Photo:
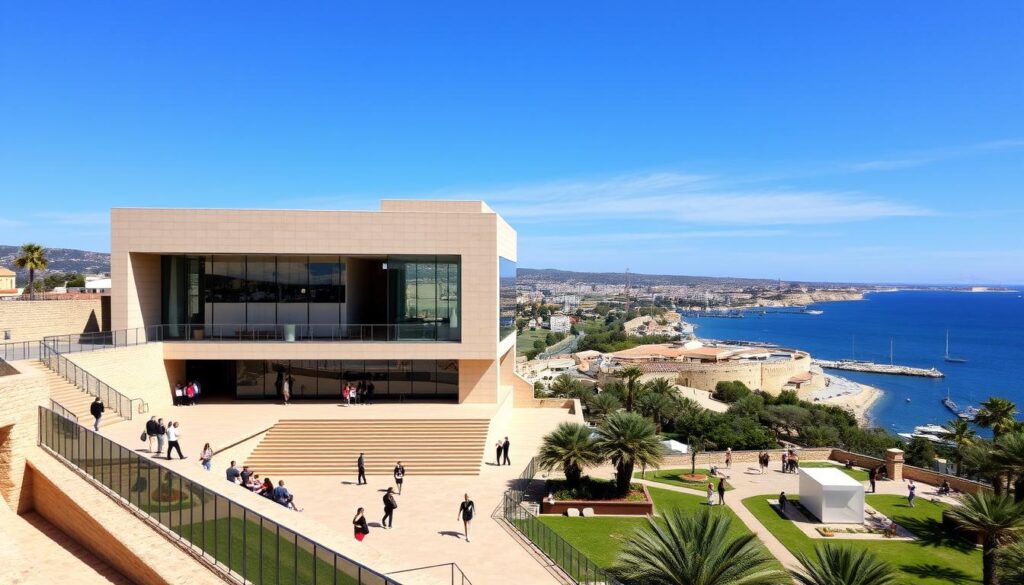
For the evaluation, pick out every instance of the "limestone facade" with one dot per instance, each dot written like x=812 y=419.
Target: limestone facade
x=33 y=320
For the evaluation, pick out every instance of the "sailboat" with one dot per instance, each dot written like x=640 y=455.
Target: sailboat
x=949 y=358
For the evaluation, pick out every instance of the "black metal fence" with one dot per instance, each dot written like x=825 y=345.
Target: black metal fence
x=249 y=545
x=574 y=563
x=90 y=384
x=19 y=350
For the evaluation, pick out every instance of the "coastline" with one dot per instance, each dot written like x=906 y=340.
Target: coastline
x=857 y=398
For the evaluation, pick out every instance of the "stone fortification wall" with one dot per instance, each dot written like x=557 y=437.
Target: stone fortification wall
x=22 y=394
x=770 y=377
x=33 y=320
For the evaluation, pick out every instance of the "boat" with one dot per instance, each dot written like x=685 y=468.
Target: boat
x=948 y=403
x=812 y=312
x=932 y=429
x=969 y=413
x=949 y=358
x=932 y=438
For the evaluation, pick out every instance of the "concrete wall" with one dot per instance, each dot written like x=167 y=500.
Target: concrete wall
x=33 y=320
x=19 y=429
x=108 y=530
x=915 y=473
x=137 y=372
x=478 y=381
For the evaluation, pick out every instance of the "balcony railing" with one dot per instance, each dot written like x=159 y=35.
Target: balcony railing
x=19 y=350
x=252 y=332
x=90 y=384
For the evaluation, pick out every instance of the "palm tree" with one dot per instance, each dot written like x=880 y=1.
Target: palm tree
x=997 y=518
x=697 y=549
x=1011 y=563
x=998 y=414
x=658 y=406
x=979 y=457
x=843 y=565
x=1008 y=455
x=625 y=439
x=569 y=387
x=603 y=404
x=961 y=434
x=33 y=257
x=631 y=374
x=696 y=445
x=569 y=447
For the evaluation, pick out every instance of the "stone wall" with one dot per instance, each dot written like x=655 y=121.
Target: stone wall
x=770 y=377
x=33 y=320
x=22 y=394
x=927 y=476
x=109 y=531
x=706 y=458
x=137 y=372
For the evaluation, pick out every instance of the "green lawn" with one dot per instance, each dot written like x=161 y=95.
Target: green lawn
x=671 y=477
x=524 y=341
x=262 y=562
x=601 y=538
x=855 y=473
x=936 y=559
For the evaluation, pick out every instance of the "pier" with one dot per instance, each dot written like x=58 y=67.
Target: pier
x=873 y=368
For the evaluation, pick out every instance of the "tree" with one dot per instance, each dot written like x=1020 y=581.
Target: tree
x=843 y=565
x=1008 y=456
x=997 y=518
x=696 y=445
x=566 y=385
x=603 y=404
x=920 y=453
x=571 y=448
x=1011 y=563
x=33 y=257
x=658 y=406
x=998 y=414
x=730 y=391
x=625 y=439
x=961 y=434
x=696 y=549
x=631 y=375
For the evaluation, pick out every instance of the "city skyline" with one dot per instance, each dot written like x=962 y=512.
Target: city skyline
x=879 y=145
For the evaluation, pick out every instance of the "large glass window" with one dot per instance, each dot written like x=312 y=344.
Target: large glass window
x=391 y=380
x=423 y=297
x=507 y=297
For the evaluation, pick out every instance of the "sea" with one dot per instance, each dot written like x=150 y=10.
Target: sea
x=986 y=329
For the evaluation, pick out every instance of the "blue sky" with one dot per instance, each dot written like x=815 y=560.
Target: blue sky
x=868 y=141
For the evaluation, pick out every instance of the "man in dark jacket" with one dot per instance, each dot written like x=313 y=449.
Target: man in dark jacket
x=389 y=509
x=96 y=410
x=504 y=452
x=721 y=491
x=151 y=431
x=361 y=470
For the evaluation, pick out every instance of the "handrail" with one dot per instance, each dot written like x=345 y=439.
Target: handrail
x=432 y=331
x=464 y=580
x=576 y=565
x=89 y=383
x=13 y=351
x=235 y=537
x=59 y=409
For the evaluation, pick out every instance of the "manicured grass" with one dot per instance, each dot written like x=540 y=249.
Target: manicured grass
x=237 y=544
x=855 y=473
x=601 y=538
x=937 y=558
x=524 y=341
x=671 y=477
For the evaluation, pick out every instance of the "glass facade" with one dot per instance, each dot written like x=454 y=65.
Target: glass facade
x=221 y=296
x=391 y=379
x=507 y=297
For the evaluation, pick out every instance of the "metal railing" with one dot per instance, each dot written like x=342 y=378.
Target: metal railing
x=456 y=574
x=576 y=565
x=60 y=410
x=250 y=546
x=90 y=384
x=19 y=350
x=352 y=332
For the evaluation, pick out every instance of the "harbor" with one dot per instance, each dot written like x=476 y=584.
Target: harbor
x=875 y=368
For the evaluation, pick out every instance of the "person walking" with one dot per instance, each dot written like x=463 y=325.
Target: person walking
x=161 y=436
x=497 y=452
x=388 y=521
x=361 y=470
x=359 y=525
x=728 y=458
x=286 y=389
x=783 y=500
x=197 y=389
x=911 y=493
x=151 y=429
x=711 y=494
x=721 y=492
x=172 y=440
x=96 y=410
x=399 y=476
x=179 y=394
x=785 y=462
x=206 y=457
x=466 y=510
x=504 y=452
x=872 y=478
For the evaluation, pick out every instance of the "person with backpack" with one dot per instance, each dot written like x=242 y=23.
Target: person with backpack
x=390 y=505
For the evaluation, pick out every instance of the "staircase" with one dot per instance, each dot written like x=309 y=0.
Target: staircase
x=71 y=397
x=331 y=447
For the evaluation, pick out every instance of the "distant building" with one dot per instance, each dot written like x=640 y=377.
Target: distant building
x=98 y=285
x=560 y=323
x=7 y=286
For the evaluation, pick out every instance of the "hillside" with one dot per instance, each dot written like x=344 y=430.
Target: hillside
x=61 y=260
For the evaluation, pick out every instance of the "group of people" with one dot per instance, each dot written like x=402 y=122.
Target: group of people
x=187 y=394
x=790 y=462
x=501 y=452
x=721 y=493
x=358 y=393
x=763 y=459
x=157 y=432
x=261 y=487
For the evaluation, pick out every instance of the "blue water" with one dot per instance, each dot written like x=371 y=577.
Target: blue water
x=985 y=328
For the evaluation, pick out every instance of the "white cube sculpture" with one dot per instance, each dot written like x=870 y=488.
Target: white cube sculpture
x=832 y=496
